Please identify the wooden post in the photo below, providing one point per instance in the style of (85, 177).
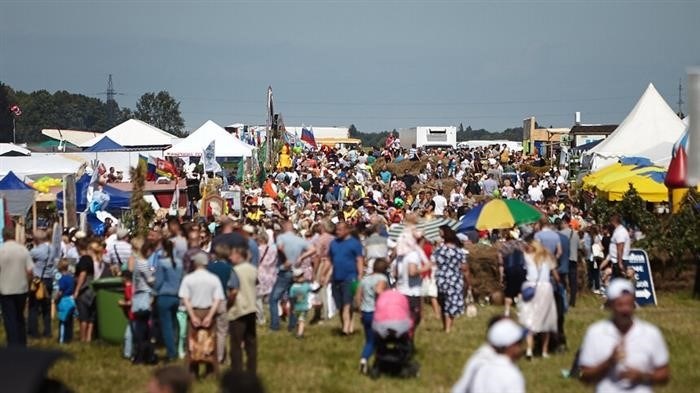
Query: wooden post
(69, 209)
(34, 219)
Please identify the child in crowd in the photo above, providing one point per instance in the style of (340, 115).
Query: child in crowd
(370, 287)
(126, 306)
(65, 303)
(299, 296)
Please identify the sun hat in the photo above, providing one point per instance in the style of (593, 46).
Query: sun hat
(505, 333)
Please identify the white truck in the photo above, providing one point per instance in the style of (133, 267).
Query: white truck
(428, 136)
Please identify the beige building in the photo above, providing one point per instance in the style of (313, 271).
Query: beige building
(545, 141)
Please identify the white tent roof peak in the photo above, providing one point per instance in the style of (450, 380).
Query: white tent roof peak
(134, 132)
(226, 145)
(648, 128)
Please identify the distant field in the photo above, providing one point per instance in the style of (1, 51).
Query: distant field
(325, 362)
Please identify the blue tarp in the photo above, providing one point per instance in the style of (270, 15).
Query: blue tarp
(12, 182)
(118, 199)
(105, 144)
(588, 146)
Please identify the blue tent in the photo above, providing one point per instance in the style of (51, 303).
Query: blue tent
(19, 196)
(12, 182)
(105, 144)
(118, 199)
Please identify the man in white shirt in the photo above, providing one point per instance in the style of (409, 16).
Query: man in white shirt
(492, 368)
(623, 353)
(535, 192)
(620, 244)
(440, 204)
(201, 292)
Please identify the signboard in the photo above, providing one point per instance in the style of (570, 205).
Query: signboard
(644, 282)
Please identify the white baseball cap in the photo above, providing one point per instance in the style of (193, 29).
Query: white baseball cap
(618, 287)
(505, 333)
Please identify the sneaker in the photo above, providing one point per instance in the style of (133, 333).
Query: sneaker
(545, 355)
(566, 374)
(363, 366)
(528, 355)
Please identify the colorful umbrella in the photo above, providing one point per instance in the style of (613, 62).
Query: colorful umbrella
(430, 228)
(499, 214)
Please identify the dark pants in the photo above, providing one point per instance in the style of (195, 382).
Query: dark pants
(13, 319)
(42, 307)
(167, 310)
(281, 287)
(141, 335)
(573, 283)
(560, 337)
(65, 330)
(414, 304)
(242, 331)
(593, 274)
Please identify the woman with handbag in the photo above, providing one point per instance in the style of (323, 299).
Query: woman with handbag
(539, 312)
(451, 276)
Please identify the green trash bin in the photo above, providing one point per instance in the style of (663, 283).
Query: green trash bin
(111, 321)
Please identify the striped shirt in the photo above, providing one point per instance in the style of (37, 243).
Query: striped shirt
(118, 253)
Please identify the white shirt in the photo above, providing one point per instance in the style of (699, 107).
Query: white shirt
(440, 204)
(620, 235)
(201, 287)
(644, 346)
(409, 286)
(535, 193)
(490, 372)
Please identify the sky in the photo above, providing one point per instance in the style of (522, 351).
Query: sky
(377, 64)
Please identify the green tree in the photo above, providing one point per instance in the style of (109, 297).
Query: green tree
(141, 213)
(161, 110)
(6, 101)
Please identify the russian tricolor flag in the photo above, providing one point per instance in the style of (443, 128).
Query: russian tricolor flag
(307, 135)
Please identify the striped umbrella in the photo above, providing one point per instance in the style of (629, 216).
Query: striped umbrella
(430, 228)
(499, 214)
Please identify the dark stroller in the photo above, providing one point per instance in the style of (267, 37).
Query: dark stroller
(394, 337)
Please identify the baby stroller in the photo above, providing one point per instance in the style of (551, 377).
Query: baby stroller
(393, 329)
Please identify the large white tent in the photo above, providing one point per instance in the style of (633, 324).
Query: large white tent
(646, 132)
(226, 144)
(134, 133)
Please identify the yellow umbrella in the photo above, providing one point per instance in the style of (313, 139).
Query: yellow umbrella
(650, 187)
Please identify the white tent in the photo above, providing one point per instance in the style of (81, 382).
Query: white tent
(10, 149)
(40, 164)
(134, 133)
(226, 145)
(646, 132)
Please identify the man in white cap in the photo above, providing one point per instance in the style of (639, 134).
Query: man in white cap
(492, 368)
(623, 353)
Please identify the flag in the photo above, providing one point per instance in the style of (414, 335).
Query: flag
(308, 136)
(15, 109)
(151, 169)
(270, 106)
(165, 168)
(209, 159)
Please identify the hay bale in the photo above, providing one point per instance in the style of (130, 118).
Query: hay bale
(483, 265)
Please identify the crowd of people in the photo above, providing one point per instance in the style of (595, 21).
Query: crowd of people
(312, 241)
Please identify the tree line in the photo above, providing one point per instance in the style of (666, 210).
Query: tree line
(64, 110)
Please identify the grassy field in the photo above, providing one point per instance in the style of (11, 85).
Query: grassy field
(325, 362)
